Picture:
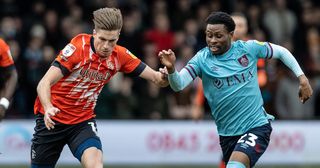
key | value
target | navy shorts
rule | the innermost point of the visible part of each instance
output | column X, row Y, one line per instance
column 48, row 144
column 253, row 143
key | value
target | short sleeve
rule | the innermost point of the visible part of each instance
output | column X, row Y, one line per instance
column 128, row 61
column 6, row 59
column 70, row 55
column 259, row 49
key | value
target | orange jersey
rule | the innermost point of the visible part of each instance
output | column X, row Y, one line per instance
column 5, row 55
column 85, row 74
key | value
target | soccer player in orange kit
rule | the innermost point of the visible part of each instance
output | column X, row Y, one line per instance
column 68, row 92
column 8, row 77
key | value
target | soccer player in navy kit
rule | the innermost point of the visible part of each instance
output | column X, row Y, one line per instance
column 229, row 76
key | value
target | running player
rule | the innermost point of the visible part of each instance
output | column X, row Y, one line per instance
column 229, row 77
column 68, row 92
column 240, row 33
column 8, row 77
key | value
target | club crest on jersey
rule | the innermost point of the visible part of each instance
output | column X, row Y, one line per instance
column 243, row 60
column 67, row 51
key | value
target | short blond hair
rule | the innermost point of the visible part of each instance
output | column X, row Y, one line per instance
column 107, row 19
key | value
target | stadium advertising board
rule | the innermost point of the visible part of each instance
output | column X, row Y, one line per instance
column 168, row 142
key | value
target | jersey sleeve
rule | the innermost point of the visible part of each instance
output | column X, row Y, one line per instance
column 6, row 59
column 130, row 63
column 193, row 67
column 69, row 56
column 259, row 49
column 179, row 80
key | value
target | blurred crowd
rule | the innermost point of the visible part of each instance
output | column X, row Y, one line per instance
column 37, row 30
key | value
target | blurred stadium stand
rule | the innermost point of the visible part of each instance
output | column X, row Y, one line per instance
column 37, row 30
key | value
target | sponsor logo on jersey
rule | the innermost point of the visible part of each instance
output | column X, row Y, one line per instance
column 234, row 79
column 218, row 83
column 67, row 51
column 94, row 74
column 243, row 60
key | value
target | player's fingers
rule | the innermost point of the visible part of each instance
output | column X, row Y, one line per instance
column 160, row 54
column 48, row 122
column 166, row 52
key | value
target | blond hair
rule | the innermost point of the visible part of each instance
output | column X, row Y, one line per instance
column 107, row 19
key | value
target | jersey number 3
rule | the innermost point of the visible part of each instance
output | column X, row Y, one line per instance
column 251, row 139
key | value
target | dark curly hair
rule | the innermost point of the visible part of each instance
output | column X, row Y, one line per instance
column 221, row 18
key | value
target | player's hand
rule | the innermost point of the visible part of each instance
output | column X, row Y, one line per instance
column 164, row 77
column 52, row 111
column 164, row 72
column 305, row 90
column 167, row 58
column 2, row 112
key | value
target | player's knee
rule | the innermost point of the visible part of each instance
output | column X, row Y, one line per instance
column 235, row 164
column 92, row 158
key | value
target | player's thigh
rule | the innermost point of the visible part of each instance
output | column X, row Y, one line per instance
column 47, row 144
column 227, row 144
column 252, row 144
column 84, row 136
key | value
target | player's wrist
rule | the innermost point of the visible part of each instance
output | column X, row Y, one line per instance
column 4, row 102
column 171, row 69
column 303, row 80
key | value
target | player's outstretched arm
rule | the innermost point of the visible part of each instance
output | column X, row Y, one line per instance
column 8, row 90
column 52, row 76
column 160, row 78
column 305, row 90
column 178, row 80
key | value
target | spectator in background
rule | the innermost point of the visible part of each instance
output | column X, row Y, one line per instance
column 160, row 33
column 131, row 33
column 68, row 92
column 229, row 76
column 286, row 102
column 180, row 103
column 153, row 99
column 8, row 78
column 182, row 13
column 280, row 21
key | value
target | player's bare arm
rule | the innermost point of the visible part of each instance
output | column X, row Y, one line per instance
column 7, row 91
column 43, row 89
column 305, row 90
column 157, row 77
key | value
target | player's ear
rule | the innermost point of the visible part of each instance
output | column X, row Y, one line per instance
column 94, row 31
column 231, row 33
